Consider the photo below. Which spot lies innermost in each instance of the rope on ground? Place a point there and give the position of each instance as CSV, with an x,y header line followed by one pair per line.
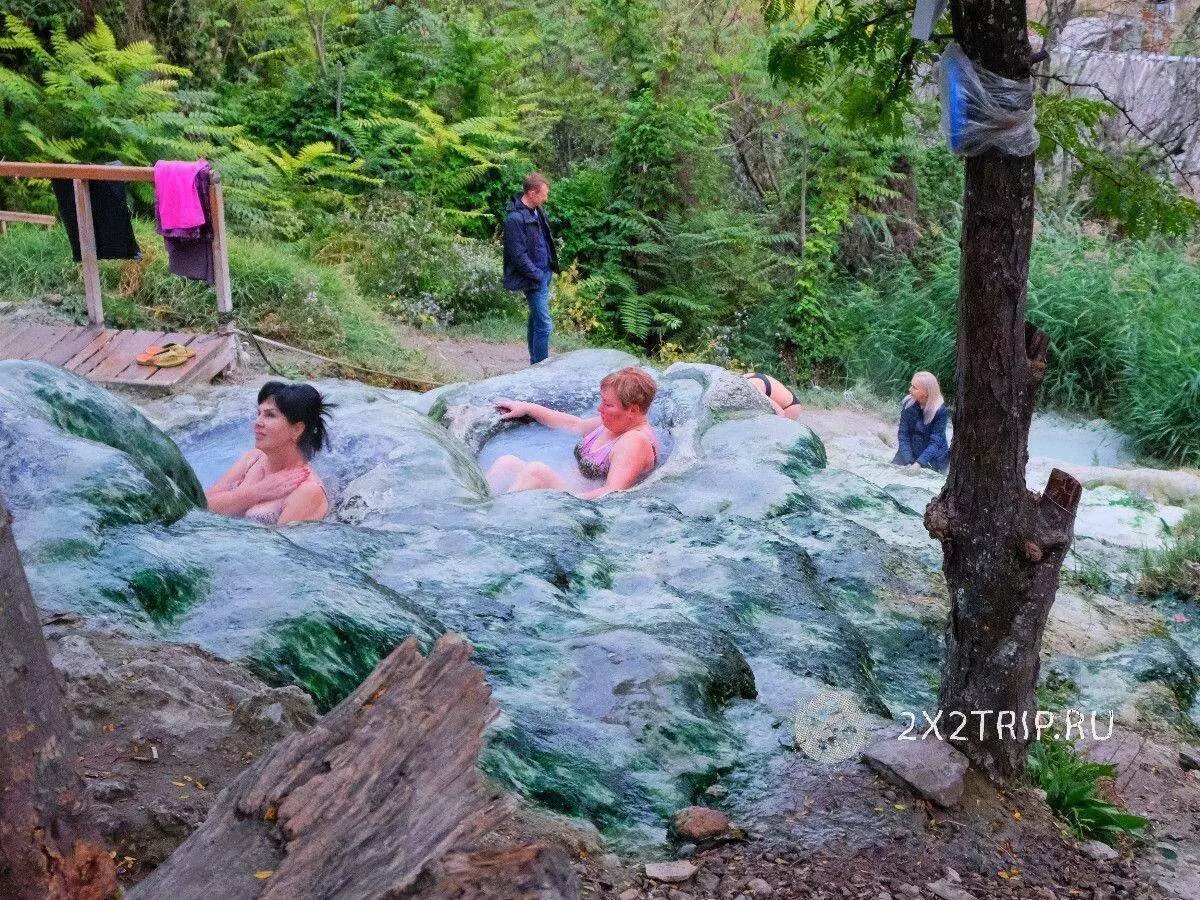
x,y
404,382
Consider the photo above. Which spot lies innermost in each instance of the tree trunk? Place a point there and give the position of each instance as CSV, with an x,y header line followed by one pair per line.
x,y
87,16
1003,545
382,798
49,846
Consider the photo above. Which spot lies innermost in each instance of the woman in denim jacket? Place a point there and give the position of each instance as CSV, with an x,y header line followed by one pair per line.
x,y
921,436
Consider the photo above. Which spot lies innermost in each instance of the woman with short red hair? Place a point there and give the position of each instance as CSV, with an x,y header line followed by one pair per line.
x,y
618,445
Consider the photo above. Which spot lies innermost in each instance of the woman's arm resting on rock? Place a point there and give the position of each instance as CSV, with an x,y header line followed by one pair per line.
x,y
551,418
632,456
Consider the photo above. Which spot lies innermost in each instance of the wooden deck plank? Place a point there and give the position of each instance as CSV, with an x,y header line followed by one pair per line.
x,y
214,357
120,352
51,338
108,356
87,366
223,356
205,345
36,345
74,341
13,337
28,337
31,339
89,351
134,372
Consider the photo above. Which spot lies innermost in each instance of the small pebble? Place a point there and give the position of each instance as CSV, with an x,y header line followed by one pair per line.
x,y
675,872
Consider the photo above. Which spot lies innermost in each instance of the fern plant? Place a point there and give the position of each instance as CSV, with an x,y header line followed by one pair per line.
x,y
86,100
89,100
420,150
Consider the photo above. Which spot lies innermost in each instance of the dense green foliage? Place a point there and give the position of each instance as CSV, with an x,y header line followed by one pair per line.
x,y
1069,781
741,186
1122,316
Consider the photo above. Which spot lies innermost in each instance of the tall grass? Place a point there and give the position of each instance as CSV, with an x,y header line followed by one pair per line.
x,y
1176,567
276,293
1123,318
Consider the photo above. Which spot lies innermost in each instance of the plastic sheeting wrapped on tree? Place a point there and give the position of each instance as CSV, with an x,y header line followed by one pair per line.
x,y
984,111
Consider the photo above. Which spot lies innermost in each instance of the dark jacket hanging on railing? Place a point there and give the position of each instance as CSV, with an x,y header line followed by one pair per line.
x,y
110,219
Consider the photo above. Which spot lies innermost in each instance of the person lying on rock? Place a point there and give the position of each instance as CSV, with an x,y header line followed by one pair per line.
x,y
618,445
921,436
777,392
273,483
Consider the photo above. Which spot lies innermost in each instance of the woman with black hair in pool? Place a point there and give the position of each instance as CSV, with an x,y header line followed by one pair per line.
x,y
273,483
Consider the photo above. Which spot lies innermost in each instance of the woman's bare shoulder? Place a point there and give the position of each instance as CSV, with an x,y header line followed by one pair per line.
x,y
307,503
635,439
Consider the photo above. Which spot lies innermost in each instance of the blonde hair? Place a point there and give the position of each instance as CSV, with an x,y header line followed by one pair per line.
x,y
933,394
632,386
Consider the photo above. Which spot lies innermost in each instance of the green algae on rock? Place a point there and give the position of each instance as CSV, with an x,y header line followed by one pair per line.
x,y
641,647
75,459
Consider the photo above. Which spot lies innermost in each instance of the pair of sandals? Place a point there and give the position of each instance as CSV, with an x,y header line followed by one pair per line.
x,y
165,357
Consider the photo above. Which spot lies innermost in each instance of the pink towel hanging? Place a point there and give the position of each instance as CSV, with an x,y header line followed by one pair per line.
x,y
176,198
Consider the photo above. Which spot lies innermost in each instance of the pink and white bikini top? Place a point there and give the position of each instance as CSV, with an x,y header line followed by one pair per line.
x,y
594,461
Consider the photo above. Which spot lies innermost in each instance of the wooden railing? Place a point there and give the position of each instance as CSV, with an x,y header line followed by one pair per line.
x,y
28,218
81,175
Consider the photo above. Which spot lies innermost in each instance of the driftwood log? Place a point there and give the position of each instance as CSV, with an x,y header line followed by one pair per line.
x,y
382,797
49,846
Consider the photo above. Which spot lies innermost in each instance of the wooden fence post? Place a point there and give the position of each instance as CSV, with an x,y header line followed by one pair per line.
x,y
87,252
216,203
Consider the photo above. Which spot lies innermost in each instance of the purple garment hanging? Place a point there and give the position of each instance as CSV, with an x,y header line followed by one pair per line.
x,y
190,250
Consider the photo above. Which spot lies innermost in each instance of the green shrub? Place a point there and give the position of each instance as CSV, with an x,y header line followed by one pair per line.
x,y
1069,781
1159,403
407,260
909,322
35,262
1071,297
1176,567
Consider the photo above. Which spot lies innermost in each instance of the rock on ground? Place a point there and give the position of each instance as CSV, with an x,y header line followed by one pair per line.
x,y
699,823
1189,758
1099,850
931,768
673,872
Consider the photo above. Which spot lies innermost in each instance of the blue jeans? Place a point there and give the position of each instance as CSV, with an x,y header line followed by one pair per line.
x,y
540,325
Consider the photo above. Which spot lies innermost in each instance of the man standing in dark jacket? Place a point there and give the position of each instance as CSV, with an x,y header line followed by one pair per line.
x,y
530,259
